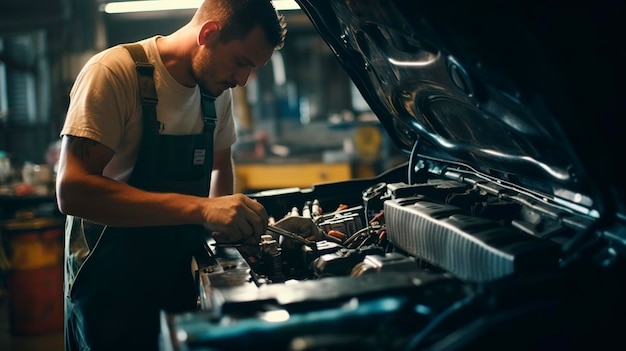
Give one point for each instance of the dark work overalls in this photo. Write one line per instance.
(130, 275)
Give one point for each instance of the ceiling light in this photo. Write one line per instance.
(163, 5)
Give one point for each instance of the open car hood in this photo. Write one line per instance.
(504, 230)
(522, 91)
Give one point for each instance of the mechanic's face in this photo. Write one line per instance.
(219, 66)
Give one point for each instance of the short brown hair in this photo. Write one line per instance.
(239, 17)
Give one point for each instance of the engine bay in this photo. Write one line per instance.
(437, 262)
(505, 230)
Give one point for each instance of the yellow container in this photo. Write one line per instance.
(33, 252)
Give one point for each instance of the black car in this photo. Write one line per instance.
(506, 228)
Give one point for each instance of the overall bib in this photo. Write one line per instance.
(118, 280)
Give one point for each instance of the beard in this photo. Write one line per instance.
(202, 73)
(205, 74)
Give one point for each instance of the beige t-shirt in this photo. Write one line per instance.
(104, 106)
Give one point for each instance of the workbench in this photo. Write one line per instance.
(268, 174)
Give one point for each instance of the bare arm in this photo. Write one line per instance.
(222, 180)
(84, 192)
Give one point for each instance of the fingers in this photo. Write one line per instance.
(236, 218)
(257, 216)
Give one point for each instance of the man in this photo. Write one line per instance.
(135, 167)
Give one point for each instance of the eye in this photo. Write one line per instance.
(243, 62)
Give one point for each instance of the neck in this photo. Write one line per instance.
(176, 55)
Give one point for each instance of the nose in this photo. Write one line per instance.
(241, 75)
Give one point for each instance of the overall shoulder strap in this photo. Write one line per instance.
(145, 77)
(149, 100)
(209, 113)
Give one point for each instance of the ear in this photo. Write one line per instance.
(208, 33)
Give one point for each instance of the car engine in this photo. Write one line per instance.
(443, 258)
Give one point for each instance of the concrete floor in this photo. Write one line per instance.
(8, 342)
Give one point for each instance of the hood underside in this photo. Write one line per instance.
(523, 91)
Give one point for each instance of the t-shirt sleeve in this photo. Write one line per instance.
(102, 100)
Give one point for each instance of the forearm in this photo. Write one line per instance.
(222, 179)
(106, 201)
(222, 184)
(83, 191)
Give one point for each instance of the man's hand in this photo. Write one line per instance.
(235, 219)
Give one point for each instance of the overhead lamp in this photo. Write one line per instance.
(164, 5)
